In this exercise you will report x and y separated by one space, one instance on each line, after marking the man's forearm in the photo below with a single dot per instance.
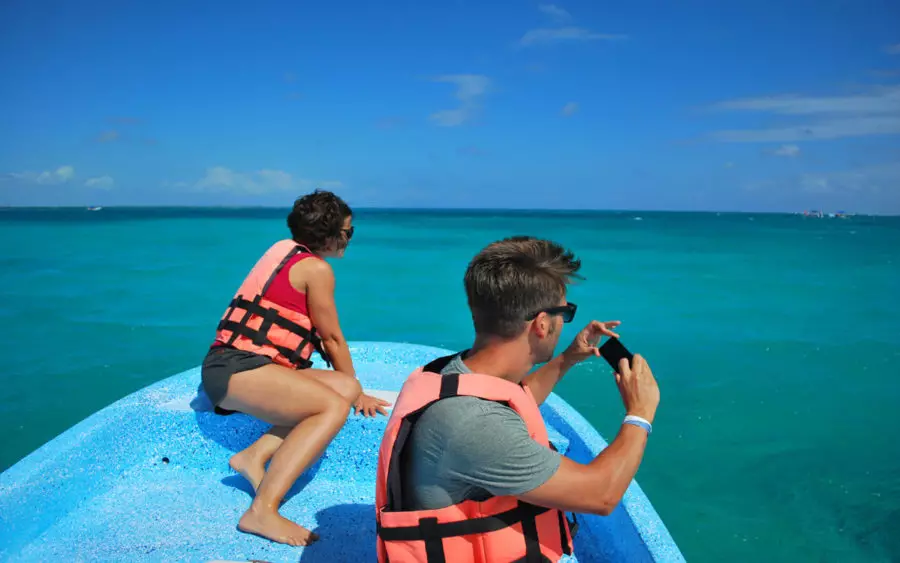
542 381
619 462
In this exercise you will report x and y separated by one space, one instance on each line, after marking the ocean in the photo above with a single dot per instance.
775 340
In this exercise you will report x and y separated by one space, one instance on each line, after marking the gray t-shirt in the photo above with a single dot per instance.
466 448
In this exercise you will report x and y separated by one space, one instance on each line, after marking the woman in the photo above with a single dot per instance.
260 363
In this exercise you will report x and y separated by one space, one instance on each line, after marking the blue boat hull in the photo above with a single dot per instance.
147 479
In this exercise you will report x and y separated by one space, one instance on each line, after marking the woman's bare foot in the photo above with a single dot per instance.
250 468
269 524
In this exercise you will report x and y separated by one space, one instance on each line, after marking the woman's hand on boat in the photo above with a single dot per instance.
585 343
369 405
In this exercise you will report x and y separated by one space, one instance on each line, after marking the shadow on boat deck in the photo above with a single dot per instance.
347 533
235 432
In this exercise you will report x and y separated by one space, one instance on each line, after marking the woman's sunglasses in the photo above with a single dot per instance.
348 232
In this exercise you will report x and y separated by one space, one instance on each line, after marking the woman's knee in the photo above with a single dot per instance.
347 386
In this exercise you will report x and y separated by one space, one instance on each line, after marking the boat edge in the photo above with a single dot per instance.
641 513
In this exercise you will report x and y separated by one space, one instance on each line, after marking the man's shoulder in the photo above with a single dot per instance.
463 413
453 406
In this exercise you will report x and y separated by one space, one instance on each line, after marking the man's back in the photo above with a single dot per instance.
466 448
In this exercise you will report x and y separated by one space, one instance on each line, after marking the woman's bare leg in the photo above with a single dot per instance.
313 412
251 462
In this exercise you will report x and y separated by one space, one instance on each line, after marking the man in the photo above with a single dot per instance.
465 471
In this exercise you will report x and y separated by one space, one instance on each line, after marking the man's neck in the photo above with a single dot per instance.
508 360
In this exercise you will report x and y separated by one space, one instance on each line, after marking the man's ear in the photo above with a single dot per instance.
540 326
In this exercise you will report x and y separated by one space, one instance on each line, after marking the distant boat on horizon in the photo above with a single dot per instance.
819 214
94 208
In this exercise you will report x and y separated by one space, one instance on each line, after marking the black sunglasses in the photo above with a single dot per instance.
348 232
567 311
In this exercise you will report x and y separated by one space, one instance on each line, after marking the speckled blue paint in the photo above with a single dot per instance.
102 492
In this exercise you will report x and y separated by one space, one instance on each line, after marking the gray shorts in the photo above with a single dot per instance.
220 364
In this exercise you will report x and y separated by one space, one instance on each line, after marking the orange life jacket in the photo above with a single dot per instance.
255 324
500 529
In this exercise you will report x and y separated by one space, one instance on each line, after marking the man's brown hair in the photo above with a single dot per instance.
515 278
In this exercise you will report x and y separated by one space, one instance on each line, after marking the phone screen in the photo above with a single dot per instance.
613 351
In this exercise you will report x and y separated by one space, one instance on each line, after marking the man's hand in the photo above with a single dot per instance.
640 393
368 405
585 344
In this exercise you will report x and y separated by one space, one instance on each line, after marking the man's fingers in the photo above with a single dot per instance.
382 411
604 327
637 363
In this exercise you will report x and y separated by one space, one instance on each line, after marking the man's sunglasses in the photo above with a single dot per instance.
348 232
567 311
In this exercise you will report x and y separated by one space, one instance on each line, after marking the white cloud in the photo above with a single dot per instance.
470 89
555 12
47 178
787 150
108 136
892 49
884 99
570 108
872 179
822 130
880 179
100 182
470 151
876 112
546 36
221 179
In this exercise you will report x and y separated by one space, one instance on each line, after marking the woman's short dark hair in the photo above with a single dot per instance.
317 218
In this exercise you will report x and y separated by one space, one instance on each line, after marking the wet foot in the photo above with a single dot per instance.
251 469
273 526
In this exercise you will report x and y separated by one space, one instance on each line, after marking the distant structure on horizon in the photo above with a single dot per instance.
818 214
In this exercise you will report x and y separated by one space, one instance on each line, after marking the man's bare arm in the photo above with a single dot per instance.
597 487
542 381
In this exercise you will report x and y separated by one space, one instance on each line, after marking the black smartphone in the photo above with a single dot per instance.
613 351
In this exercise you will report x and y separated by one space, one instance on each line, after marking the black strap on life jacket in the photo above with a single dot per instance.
260 337
429 530
573 523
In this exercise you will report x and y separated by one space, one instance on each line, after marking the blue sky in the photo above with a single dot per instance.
712 105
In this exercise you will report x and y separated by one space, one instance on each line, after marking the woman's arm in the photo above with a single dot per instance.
319 278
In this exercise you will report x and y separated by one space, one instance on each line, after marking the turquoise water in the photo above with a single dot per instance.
775 339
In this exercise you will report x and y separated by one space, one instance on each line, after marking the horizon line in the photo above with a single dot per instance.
439 209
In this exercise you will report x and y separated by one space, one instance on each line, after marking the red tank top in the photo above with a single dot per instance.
283 293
